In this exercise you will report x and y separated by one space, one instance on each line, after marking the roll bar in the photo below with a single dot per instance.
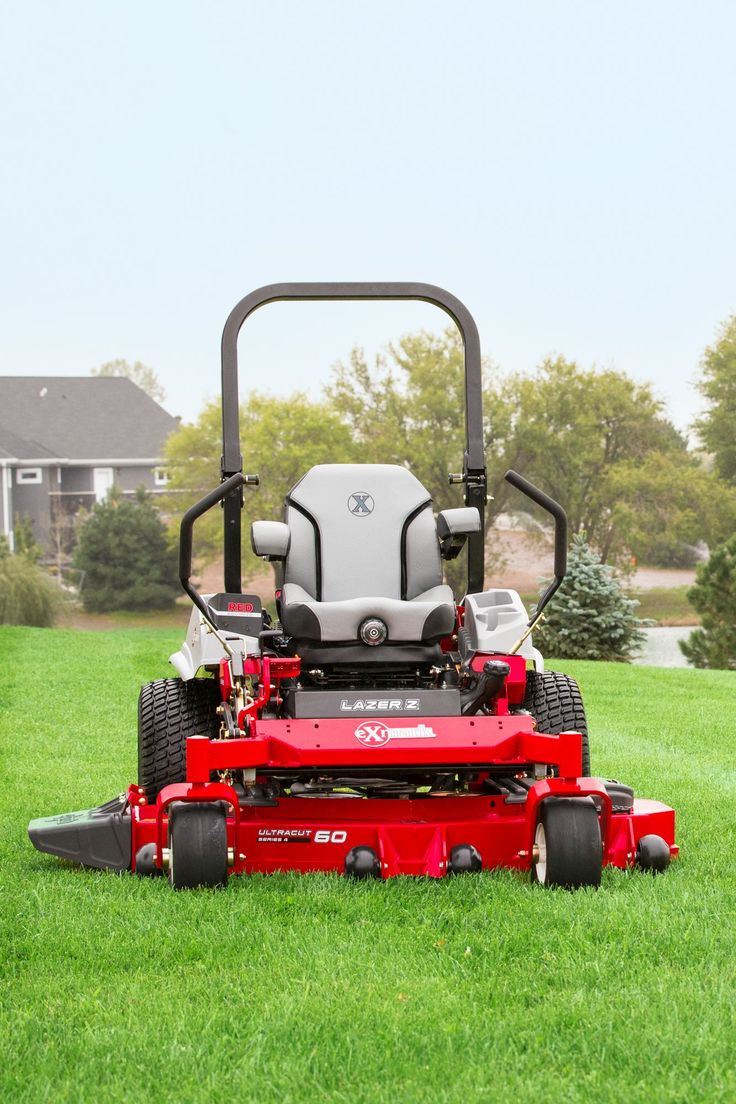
229 486
474 471
560 518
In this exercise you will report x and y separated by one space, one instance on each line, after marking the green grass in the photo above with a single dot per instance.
316 989
667 605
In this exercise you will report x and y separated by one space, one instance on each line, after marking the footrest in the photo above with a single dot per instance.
99 837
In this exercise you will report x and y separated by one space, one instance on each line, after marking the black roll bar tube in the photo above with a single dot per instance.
230 486
474 471
560 517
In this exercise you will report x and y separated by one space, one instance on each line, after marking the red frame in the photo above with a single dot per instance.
410 836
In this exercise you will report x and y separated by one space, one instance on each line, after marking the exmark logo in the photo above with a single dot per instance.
360 504
379 705
376 734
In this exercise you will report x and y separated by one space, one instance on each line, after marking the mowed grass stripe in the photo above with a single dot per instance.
311 988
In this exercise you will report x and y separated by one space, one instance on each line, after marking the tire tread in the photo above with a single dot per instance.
555 702
169 711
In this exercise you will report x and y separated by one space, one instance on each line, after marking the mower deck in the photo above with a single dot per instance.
415 835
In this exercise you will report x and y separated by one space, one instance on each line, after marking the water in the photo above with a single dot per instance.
661 646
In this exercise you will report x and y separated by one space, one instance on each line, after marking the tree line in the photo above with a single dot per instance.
596 440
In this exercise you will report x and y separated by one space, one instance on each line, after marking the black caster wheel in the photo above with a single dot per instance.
197 845
567 844
653 854
464 859
145 861
362 862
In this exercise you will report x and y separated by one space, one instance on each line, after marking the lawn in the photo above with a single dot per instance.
666 605
317 989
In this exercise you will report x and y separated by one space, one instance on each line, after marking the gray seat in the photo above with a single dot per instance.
361 543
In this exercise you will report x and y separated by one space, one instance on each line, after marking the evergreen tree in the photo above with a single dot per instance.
590 617
126 559
714 597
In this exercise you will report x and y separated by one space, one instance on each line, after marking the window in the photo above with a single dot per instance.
28 475
160 477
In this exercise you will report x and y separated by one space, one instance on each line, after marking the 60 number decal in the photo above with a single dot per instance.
330 837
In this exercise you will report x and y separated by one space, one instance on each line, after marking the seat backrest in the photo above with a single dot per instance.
359 531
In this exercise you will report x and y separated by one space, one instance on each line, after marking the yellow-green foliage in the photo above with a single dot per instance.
27 595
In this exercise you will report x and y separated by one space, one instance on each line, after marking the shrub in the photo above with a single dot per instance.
714 597
27 595
25 543
590 617
125 557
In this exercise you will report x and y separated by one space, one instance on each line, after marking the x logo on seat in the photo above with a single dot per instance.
360 504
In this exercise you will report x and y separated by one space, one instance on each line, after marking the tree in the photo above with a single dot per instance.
718 386
127 561
666 506
590 617
409 409
596 441
25 542
281 439
714 597
140 374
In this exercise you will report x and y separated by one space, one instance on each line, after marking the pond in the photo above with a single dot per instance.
661 647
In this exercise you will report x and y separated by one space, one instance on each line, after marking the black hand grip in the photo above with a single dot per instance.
560 517
186 532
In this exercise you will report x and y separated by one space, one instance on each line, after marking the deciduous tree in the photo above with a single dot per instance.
718 385
281 439
140 374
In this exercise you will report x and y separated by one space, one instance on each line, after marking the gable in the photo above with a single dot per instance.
80 418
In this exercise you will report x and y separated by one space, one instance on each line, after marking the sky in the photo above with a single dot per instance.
567 169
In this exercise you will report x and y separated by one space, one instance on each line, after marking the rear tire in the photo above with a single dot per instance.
555 702
197 845
568 844
170 710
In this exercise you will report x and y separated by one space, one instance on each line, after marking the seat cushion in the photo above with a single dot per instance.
359 530
426 618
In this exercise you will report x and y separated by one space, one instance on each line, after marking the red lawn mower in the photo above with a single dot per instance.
382 725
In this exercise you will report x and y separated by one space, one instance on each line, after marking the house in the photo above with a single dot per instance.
65 440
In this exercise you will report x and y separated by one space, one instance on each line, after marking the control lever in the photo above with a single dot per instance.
488 686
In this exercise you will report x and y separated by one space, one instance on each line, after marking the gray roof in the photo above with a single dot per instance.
80 418
12 445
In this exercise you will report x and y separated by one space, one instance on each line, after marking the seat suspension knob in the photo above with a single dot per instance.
373 631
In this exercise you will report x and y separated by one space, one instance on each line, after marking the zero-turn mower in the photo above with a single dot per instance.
382 725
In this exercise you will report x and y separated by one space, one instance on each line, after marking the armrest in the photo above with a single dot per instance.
270 539
453 528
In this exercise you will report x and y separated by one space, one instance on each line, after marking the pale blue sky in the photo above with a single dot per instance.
568 169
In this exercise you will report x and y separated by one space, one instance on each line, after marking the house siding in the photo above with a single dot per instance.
32 499
6 476
130 479
80 480
65 424
76 480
